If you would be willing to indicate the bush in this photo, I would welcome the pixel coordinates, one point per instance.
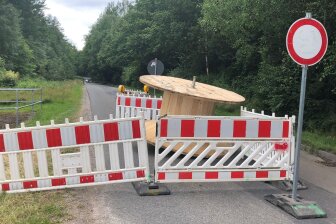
(8, 78)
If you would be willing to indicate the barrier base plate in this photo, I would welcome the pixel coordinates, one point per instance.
(300, 209)
(150, 189)
(287, 185)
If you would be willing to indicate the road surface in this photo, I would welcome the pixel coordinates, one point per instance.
(238, 202)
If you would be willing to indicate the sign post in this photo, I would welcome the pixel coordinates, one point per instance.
(155, 67)
(306, 42)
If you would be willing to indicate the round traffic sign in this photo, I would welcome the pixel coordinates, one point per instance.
(155, 67)
(307, 41)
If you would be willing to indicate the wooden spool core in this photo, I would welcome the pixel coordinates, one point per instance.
(181, 98)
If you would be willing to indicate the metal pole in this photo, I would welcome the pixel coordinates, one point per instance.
(299, 132)
(41, 100)
(16, 108)
(155, 71)
(32, 101)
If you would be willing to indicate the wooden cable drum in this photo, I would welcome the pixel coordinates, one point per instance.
(186, 97)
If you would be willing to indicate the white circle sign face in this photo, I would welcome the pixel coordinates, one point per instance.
(307, 41)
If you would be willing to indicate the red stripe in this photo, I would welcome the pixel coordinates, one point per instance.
(118, 99)
(163, 129)
(283, 173)
(213, 128)
(261, 174)
(185, 175)
(281, 146)
(87, 179)
(82, 134)
(54, 138)
(115, 176)
(25, 140)
(159, 103)
(264, 129)
(2, 143)
(239, 129)
(5, 187)
(30, 184)
(111, 131)
(237, 174)
(136, 129)
(187, 128)
(58, 182)
(161, 176)
(211, 175)
(149, 103)
(138, 102)
(140, 173)
(285, 129)
(127, 101)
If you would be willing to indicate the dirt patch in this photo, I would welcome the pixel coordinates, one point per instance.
(10, 118)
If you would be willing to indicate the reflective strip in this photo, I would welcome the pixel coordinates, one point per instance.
(159, 103)
(239, 128)
(226, 128)
(181, 176)
(122, 100)
(276, 129)
(132, 101)
(11, 142)
(96, 133)
(82, 134)
(136, 129)
(138, 102)
(174, 128)
(187, 128)
(285, 129)
(39, 139)
(143, 102)
(148, 103)
(2, 143)
(214, 127)
(125, 130)
(201, 127)
(111, 131)
(252, 128)
(127, 101)
(68, 136)
(163, 128)
(54, 137)
(25, 140)
(264, 129)
(154, 103)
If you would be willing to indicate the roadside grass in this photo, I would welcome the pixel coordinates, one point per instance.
(61, 99)
(319, 141)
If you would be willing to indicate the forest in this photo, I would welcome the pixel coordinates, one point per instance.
(32, 44)
(243, 41)
(235, 44)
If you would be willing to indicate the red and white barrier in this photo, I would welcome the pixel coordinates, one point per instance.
(72, 154)
(133, 105)
(223, 149)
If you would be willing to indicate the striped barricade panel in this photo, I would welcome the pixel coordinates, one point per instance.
(73, 154)
(223, 149)
(131, 106)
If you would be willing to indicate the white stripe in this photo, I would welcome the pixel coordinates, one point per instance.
(39, 139)
(11, 141)
(201, 127)
(252, 128)
(276, 129)
(174, 127)
(96, 133)
(226, 129)
(68, 135)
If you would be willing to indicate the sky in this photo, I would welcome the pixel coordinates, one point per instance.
(76, 16)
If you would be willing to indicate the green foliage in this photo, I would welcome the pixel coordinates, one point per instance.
(244, 42)
(9, 79)
(32, 43)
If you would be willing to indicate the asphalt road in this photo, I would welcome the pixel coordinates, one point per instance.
(200, 202)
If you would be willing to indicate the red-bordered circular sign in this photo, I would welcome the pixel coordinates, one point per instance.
(307, 41)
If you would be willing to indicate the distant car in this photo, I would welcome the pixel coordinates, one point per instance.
(86, 80)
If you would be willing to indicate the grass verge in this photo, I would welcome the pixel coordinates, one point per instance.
(61, 99)
(319, 141)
